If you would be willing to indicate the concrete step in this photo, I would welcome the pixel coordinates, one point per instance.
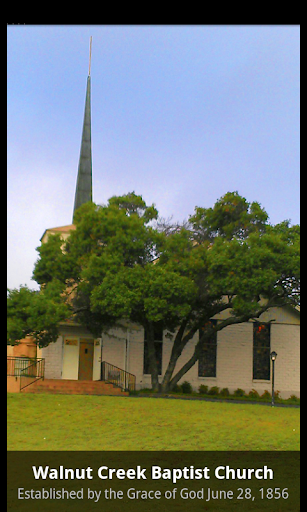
(74, 387)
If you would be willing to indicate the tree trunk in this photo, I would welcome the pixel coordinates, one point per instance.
(179, 343)
(171, 382)
(153, 368)
(181, 339)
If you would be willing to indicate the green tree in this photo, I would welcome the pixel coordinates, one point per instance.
(35, 314)
(118, 264)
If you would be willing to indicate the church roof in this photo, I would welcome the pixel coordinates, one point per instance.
(84, 178)
(62, 229)
(83, 192)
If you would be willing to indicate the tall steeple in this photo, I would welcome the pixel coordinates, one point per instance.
(84, 179)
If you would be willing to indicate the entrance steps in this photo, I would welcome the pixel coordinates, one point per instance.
(74, 387)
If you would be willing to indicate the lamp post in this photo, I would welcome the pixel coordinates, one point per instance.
(273, 357)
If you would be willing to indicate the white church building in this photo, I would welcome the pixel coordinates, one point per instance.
(237, 357)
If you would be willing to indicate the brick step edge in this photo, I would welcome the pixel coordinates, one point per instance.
(74, 387)
(74, 392)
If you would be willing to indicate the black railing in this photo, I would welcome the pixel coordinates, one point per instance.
(32, 373)
(28, 369)
(15, 365)
(117, 376)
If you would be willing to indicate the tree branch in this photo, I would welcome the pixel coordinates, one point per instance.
(219, 326)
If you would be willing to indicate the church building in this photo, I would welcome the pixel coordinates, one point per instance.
(237, 357)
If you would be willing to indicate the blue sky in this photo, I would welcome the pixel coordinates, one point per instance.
(180, 115)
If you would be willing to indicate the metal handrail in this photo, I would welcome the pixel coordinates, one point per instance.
(32, 373)
(117, 376)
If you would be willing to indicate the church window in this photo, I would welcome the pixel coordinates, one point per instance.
(158, 349)
(207, 359)
(261, 351)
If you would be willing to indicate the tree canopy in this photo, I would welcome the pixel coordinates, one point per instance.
(121, 263)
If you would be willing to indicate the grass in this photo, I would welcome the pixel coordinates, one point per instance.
(76, 422)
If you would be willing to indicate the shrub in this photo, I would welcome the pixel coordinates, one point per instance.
(186, 387)
(146, 390)
(266, 395)
(294, 398)
(239, 392)
(253, 394)
(224, 392)
(134, 392)
(214, 390)
(176, 389)
(203, 389)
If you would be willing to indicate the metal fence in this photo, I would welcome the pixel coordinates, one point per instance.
(28, 369)
(15, 365)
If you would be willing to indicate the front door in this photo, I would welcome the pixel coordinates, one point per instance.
(86, 353)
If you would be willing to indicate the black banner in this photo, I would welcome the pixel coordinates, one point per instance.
(146, 481)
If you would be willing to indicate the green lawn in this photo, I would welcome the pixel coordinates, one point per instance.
(74, 422)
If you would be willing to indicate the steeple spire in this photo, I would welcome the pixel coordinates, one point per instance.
(84, 179)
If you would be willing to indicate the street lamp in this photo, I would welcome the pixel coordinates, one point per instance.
(273, 357)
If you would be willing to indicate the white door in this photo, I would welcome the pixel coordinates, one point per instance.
(70, 359)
